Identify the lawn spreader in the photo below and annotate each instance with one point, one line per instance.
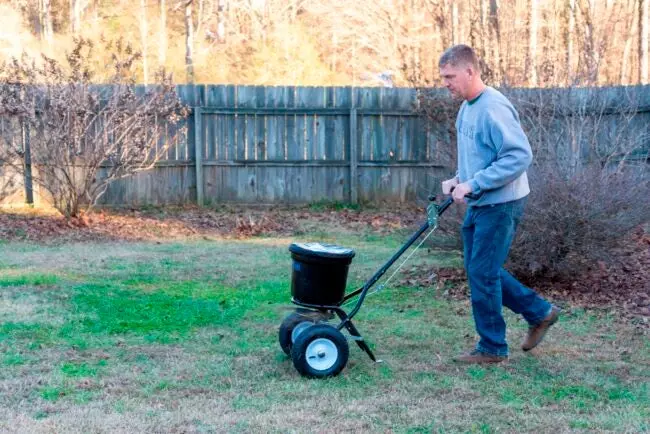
(319, 272)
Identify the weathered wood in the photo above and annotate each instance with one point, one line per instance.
(303, 144)
(198, 152)
(240, 138)
(354, 176)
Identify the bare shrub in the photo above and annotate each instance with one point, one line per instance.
(84, 136)
(589, 179)
(440, 110)
(572, 222)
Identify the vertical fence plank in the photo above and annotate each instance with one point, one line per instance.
(240, 137)
(301, 137)
(250, 138)
(354, 176)
(260, 138)
(198, 143)
(294, 140)
(272, 124)
(293, 150)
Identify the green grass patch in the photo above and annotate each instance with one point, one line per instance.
(187, 332)
(28, 280)
(78, 370)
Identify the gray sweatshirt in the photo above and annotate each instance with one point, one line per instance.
(493, 150)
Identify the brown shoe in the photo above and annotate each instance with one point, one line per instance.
(536, 332)
(478, 357)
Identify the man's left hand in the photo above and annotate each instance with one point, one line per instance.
(460, 192)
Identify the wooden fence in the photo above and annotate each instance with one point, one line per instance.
(306, 144)
(291, 144)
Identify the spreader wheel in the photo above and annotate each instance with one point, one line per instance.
(320, 351)
(294, 324)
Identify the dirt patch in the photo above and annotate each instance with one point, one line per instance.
(141, 225)
(191, 222)
(624, 285)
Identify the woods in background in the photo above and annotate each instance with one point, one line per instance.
(527, 43)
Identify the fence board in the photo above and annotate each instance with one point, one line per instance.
(312, 148)
(293, 150)
(260, 138)
(240, 137)
(251, 153)
(365, 139)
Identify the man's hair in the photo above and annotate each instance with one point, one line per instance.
(459, 55)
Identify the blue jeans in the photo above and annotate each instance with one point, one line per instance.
(488, 232)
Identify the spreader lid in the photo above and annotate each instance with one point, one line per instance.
(321, 250)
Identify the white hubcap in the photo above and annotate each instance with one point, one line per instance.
(322, 354)
(299, 328)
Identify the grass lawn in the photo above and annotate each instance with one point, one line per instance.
(182, 337)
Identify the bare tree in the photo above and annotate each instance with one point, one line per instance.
(221, 20)
(144, 40)
(584, 174)
(631, 26)
(567, 41)
(76, 9)
(455, 30)
(570, 35)
(162, 34)
(84, 137)
(495, 27)
(189, 42)
(531, 63)
(189, 38)
(45, 15)
(484, 23)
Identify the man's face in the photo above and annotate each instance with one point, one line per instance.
(457, 79)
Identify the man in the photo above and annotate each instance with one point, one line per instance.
(493, 155)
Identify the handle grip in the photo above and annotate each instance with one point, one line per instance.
(472, 196)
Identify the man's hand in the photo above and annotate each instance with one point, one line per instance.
(460, 192)
(449, 184)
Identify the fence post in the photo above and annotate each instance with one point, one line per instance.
(27, 158)
(354, 181)
(198, 155)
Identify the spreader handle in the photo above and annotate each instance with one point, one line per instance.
(469, 195)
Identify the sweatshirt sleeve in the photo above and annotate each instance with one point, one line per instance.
(513, 152)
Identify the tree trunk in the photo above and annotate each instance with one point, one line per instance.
(484, 25)
(189, 42)
(455, 37)
(531, 63)
(162, 34)
(569, 39)
(144, 37)
(643, 40)
(199, 21)
(75, 16)
(589, 48)
(496, 39)
(45, 18)
(221, 20)
(631, 26)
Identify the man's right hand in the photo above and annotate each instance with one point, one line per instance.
(449, 184)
